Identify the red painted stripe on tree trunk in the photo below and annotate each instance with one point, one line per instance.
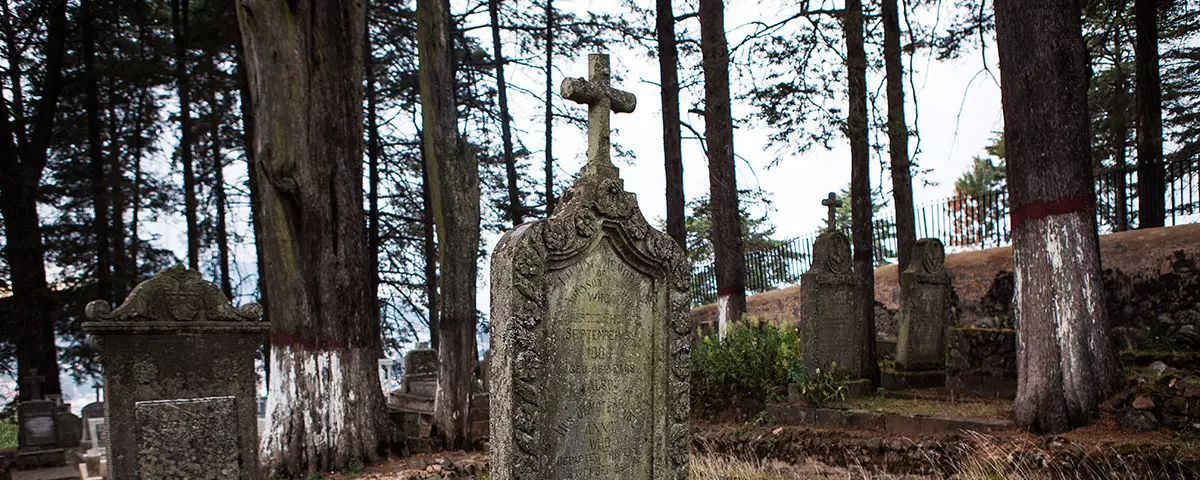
(1038, 210)
(305, 342)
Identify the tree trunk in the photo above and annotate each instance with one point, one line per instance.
(304, 61)
(372, 159)
(21, 166)
(116, 181)
(729, 259)
(668, 61)
(1151, 185)
(549, 107)
(906, 229)
(245, 98)
(179, 19)
(1065, 358)
(429, 247)
(860, 183)
(1120, 135)
(516, 211)
(454, 191)
(100, 226)
(135, 239)
(218, 159)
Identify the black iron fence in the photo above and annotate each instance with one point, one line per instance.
(973, 222)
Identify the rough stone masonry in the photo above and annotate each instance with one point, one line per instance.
(589, 328)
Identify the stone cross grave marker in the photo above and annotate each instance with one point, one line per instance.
(833, 203)
(37, 417)
(831, 329)
(177, 339)
(925, 310)
(589, 367)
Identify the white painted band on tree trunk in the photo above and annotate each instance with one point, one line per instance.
(321, 372)
(722, 315)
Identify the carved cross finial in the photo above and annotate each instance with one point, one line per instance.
(597, 93)
(833, 203)
(36, 383)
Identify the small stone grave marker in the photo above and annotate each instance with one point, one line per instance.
(589, 367)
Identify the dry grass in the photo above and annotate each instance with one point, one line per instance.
(717, 467)
(990, 458)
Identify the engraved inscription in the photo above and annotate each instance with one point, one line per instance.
(600, 335)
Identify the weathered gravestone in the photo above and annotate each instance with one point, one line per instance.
(589, 367)
(831, 329)
(925, 313)
(174, 345)
(38, 426)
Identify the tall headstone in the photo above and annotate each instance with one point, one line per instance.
(830, 318)
(925, 299)
(590, 359)
(178, 355)
(38, 429)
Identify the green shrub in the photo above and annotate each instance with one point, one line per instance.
(8, 434)
(753, 358)
(817, 387)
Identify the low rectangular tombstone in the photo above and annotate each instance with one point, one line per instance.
(925, 309)
(589, 367)
(176, 337)
(831, 326)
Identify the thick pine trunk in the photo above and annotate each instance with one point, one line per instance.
(668, 60)
(516, 211)
(1151, 185)
(906, 233)
(1065, 357)
(304, 61)
(22, 161)
(860, 183)
(729, 259)
(454, 192)
(100, 225)
(179, 19)
(549, 108)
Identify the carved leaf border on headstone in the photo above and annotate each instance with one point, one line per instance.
(595, 209)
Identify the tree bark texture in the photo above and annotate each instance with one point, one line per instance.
(668, 67)
(100, 197)
(121, 272)
(860, 182)
(729, 259)
(1151, 177)
(1065, 357)
(549, 107)
(454, 192)
(22, 161)
(516, 210)
(906, 230)
(179, 20)
(304, 61)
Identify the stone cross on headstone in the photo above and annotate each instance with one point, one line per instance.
(35, 383)
(833, 203)
(598, 94)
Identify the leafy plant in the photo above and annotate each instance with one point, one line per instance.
(753, 357)
(817, 386)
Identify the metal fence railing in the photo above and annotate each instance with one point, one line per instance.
(973, 222)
